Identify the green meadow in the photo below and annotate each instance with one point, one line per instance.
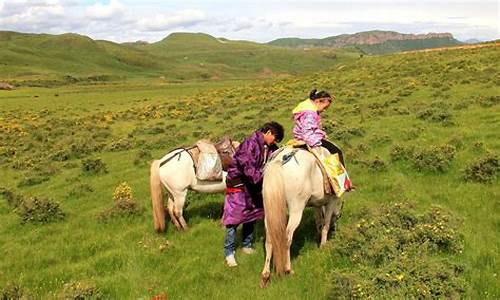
(420, 135)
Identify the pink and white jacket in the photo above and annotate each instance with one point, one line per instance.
(307, 126)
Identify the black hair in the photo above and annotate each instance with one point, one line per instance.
(275, 128)
(318, 95)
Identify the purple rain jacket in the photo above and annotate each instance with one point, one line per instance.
(243, 198)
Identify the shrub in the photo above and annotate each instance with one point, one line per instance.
(124, 204)
(392, 251)
(80, 290)
(399, 110)
(142, 157)
(483, 170)
(13, 290)
(488, 101)
(400, 152)
(200, 133)
(338, 131)
(32, 180)
(122, 192)
(13, 200)
(434, 158)
(61, 155)
(39, 210)
(438, 111)
(380, 139)
(412, 133)
(376, 164)
(80, 189)
(120, 145)
(94, 166)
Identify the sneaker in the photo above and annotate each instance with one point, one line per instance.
(231, 261)
(248, 250)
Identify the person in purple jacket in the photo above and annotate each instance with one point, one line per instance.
(243, 198)
(307, 119)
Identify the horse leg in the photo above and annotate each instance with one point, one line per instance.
(265, 276)
(337, 211)
(170, 210)
(179, 200)
(293, 223)
(331, 208)
(319, 215)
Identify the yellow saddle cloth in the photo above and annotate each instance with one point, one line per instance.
(334, 173)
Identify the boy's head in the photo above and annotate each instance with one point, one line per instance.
(273, 132)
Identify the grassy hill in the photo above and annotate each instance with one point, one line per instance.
(50, 56)
(373, 42)
(41, 59)
(420, 135)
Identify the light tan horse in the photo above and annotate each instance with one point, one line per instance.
(293, 185)
(176, 173)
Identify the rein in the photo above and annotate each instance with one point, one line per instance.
(178, 154)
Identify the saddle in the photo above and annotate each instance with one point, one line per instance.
(328, 181)
(211, 159)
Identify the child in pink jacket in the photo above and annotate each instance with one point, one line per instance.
(307, 121)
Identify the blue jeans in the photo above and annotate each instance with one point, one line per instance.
(230, 239)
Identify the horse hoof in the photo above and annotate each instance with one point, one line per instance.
(289, 272)
(264, 280)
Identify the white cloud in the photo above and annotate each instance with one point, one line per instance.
(163, 22)
(258, 20)
(29, 15)
(100, 11)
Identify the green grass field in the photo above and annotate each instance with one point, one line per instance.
(410, 124)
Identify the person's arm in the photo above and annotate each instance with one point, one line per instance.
(248, 160)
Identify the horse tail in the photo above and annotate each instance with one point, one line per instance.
(157, 197)
(275, 214)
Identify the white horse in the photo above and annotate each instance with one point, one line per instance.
(294, 185)
(176, 172)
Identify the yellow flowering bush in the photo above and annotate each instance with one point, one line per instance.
(393, 251)
(123, 192)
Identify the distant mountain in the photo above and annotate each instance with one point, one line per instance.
(374, 42)
(473, 41)
(179, 56)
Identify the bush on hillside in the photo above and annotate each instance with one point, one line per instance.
(488, 101)
(13, 199)
(32, 180)
(13, 290)
(435, 114)
(483, 170)
(375, 164)
(94, 166)
(338, 131)
(124, 204)
(80, 290)
(120, 145)
(142, 157)
(393, 251)
(39, 210)
(401, 152)
(80, 189)
(434, 158)
(412, 133)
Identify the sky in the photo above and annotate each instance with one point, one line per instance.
(257, 20)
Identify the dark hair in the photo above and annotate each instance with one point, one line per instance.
(313, 95)
(276, 129)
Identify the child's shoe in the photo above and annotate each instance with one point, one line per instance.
(248, 250)
(231, 261)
